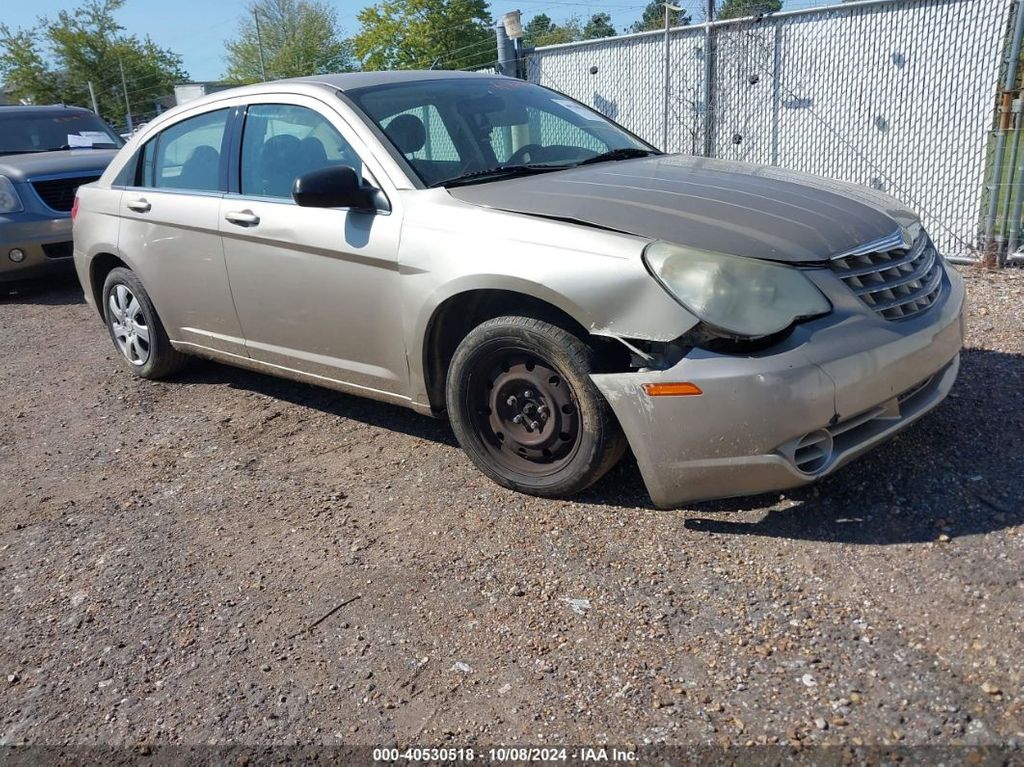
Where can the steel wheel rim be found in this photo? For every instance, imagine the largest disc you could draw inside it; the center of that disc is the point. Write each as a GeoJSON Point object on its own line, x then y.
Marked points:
{"type": "Point", "coordinates": [525, 412]}
{"type": "Point", "coordinates": [128, 325]}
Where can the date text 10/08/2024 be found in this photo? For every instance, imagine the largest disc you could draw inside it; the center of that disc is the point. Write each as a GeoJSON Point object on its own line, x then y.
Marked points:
{"type": "Point", "coordinates": [505, 754]}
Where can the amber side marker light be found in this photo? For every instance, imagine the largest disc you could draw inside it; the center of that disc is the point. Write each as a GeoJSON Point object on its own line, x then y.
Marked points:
{"type": "Point", "coordinates": [685, 389]}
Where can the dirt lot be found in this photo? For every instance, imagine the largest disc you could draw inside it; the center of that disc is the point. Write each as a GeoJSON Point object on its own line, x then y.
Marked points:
{"type": "Point", "coordinates": [165, 547]}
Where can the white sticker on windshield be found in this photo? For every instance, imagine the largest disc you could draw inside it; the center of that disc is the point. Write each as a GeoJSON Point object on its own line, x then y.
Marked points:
{"type": "Point", "coordinates": [579, 109]}
{"type": "Point", "coordinates": [88, 138]}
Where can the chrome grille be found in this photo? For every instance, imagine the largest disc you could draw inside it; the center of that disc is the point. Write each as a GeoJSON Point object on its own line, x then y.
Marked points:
{"type": "Point", "coordinates": [896, 283]}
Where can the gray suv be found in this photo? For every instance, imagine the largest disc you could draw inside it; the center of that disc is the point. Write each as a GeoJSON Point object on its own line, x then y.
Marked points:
{"type": "Point", "coordinates": [46, 153]}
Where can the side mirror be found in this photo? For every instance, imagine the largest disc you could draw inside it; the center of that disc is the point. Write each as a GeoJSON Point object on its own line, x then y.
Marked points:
{"type": "Point", "coordinates": [337, 186]}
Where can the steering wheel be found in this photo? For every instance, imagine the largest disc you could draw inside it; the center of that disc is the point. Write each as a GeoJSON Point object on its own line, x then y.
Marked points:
{"type": "Point", "coordinates": [527, 153]}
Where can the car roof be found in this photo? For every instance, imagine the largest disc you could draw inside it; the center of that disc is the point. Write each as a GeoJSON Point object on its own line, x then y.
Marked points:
{"type": "Point", "coordinates": [352, 80]}
{"type": "Point", "coordinates": [40, 109]}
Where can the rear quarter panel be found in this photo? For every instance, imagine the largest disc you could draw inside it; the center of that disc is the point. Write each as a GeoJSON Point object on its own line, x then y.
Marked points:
{"type": "Point", "coordinates": [95, 232]}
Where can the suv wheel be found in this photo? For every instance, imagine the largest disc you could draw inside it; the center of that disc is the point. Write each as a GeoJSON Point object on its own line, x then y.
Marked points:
{"type": "Point", "coordinates": [135, 327]}
{"type": "Point", "coordinates": [524, 409]}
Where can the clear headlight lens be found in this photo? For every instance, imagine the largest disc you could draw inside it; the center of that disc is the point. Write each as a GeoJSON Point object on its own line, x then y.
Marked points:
{"type": "Point", "coordinates": [9, 200]}
{"type": "Point", "coordinates": [737, 296]}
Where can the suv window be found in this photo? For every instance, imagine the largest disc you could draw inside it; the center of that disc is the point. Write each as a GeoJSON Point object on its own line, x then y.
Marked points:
{"type": "Point", "coordinates": [187, 155]}
{"type": "Point", "coordinates": [281, 142]}
{"type": "Point", "coordinates": [27, 130]}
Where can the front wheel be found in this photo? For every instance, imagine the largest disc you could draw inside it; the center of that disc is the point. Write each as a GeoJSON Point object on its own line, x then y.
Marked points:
{"type": "Point", "coordinates": [136, 329]}
{"type": "Point", "coordinates": [524, 409]}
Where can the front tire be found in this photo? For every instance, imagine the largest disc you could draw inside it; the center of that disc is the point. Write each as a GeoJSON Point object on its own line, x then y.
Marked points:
{"type": "Point", "coordinates": [524, 409]}
{"type": "Point", "coordinates": [135, 327]}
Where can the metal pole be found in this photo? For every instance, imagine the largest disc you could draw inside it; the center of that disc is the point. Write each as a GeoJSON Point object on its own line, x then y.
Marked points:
{"type": "Point", "coordinates": [92, 95]}
{"type": "Point", "coordinates": [1017, 189]}
{"type": "Point", "coordinates": [776, 93]}
{"type": "Point", "coordinates": [259, 43]}
{"type": "Point", "coordinates": [1009, 181]}
{"type": "Point", "coordinates": [668, 83]}
{"type": "Point", "coordinates": [506, 56]}
{"type": "Point", "coordinates": [1005, 114]}
{"type": "Point", "coordinates": [124, 86]}
{"type": "Point", "coordinates": [709, 71]}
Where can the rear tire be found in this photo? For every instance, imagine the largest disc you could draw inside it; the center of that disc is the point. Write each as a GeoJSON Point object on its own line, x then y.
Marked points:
{"type": "Point", "coordinates": [135, 327]}
{"type": "Point", "coordinates": [524, 409]}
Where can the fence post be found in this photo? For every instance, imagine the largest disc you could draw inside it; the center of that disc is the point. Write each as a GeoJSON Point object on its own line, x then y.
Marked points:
{"type": "Point", "coordinates": [776, 91]}
{"type": "Point", "coordinates": [709, 73]}
{"type": "Point", "coordinates": [1005, 117]}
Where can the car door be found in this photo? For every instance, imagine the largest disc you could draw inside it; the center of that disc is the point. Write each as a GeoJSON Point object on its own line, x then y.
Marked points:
{"type": "Point", "coordinates": [316, 289]}
{"type": "Point", "coordinates": [170, 230]}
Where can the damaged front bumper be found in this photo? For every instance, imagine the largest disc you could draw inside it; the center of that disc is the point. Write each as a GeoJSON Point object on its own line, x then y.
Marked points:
{"type": "Point", "coordinates": [774, 420]}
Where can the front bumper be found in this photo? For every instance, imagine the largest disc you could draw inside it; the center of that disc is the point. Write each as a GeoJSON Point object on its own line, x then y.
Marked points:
{"type": "Point", "coordinates": [46, 243]}
{"type": "Point", "coordinates": [834, 389]}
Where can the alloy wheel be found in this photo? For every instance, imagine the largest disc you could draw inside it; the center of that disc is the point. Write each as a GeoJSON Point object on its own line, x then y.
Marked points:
{"type": "Point", "coordinates": [128, 325]}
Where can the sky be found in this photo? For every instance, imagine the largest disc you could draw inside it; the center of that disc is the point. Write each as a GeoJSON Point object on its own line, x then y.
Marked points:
{"type": "Point", "coordinates": [197, 29]}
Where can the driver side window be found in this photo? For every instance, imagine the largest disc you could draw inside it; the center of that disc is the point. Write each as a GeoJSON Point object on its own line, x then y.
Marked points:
{"type": "Point", "coordinates": [281, 142]}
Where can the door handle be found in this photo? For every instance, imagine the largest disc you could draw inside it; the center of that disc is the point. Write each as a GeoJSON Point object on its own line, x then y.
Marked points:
{"type": "Point", "coordinates": [242, 218]}
{"type": "Point", "coordinates": [140, 205]}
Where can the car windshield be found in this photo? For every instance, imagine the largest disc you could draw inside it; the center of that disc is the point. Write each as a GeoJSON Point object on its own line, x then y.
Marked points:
{"type": "Point", "coordinates": [34, 131]}
{"type": "Point", "coordinates": [472, 130]}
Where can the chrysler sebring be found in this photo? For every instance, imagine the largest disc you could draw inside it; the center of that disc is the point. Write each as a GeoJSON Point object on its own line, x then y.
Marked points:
{"type": "Point", "coordinates": [486, 248]}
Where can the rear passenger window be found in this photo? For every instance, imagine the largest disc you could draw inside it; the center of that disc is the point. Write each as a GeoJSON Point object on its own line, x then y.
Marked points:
{"type": "Point", "coordinates": [281, 142]}
{"type": "Point", "coordinates": [187, 155]}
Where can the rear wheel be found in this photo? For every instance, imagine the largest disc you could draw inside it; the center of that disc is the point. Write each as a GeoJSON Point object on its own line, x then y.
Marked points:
{"type": "Point", "coordinates": [135, 328]}
{"type": "Point", "coordinates": [524, 409]}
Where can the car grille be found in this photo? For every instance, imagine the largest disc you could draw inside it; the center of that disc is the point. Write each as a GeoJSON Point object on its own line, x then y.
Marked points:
{"type": "Point", "coordinates": [59, 193]}
{"type": "Point", "coordinates": [59, 249]}
{"type": "Point", "coordinates": [897, 283]}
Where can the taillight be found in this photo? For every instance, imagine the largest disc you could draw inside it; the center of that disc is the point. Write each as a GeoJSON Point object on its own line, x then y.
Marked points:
{"type": "Point", "coordinates": [74, 209]}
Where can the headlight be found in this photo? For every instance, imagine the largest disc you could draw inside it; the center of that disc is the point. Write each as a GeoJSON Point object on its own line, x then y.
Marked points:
{"type": "Point", "coordinates": [737, 296]}
{"type": "Point", "coordinates": [9, 200]}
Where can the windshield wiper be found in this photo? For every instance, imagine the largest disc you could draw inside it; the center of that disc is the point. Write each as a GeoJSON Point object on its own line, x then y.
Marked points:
{"type": "Point", "coordinates": [102, 145]}
{"type": "Point", "coordinates": [501, 171]}
{"type": "Point", "coordinates": [626, 153]}
{"type": "Point", "coordinates": [23, 151]}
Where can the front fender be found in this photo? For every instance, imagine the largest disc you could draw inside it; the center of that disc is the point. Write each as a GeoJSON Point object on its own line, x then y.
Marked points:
{"type": "Point", "coordinates": [595, 276]}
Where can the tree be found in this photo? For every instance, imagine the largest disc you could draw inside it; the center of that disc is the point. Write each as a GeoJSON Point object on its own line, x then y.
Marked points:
{"type": "Point", "coordinates": [424, 34]}
{"type": "Point", "coordinates": [734, 9]}
{"type": "Point", "coordinates": [56, 60]}
{"type": "Point", "coordinates": [300, 38]}
{"type": "Point", "coordinates": [600, 25]}
{"type": "Point", "coordinates": [541, 31]}
{"type": "Point", "coordinates": [653, 18]}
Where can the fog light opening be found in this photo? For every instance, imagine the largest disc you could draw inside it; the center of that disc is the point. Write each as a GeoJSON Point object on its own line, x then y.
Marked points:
{"type": "Point", "coordinates": [17, 255]}
{"type": "Point", "coordinates": [813, 452]}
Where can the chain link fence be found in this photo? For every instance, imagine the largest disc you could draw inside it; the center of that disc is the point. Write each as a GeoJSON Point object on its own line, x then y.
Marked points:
{"type": "Point", "coordinates": [898, 95]}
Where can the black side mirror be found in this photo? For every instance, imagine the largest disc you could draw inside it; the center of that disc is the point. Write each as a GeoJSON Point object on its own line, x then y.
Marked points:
{"type": "Point", "coordinates": [337, 186]}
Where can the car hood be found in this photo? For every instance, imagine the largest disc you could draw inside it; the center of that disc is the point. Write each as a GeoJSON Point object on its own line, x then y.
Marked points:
{"type": "Point", "coordinates": [729, 207]}
{"type": "Point", "coordinates": [21, 167]}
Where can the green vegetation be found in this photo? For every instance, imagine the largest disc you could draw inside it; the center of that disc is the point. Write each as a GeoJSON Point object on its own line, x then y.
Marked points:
{"type": "Point", "coordinates": [420, 34]}
{"type": "Point", "coordinates": [653, 18]}
{"type": "Point", "coordinates": [300, 37]}
{"type": "Point", "coordinates": [735, 9]}
{"type": "Point", "coordinates": [55, 61]}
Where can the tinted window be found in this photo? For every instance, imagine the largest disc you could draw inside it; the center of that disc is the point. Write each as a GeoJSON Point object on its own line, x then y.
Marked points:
{"type": "Point", "coordinates": [34, 131]}
{"type": "Point", "coordinates": [281, 142]}
{"type": "Point", "coordinates": [448, 127]}
{"type": "Point", "coordinates": [187, 155]}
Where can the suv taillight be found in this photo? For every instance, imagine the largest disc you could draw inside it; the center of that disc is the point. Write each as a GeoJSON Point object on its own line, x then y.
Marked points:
{"type": "Point", "coordinates": [74, 208]}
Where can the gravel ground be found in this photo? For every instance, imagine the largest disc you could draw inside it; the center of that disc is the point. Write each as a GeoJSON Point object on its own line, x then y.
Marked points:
{"type": "Point", "coordinates": [170, 550]}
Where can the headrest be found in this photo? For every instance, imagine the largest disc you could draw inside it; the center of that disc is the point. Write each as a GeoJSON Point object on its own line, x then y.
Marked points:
{"type": "Point", "coordinates": [407, 132]}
